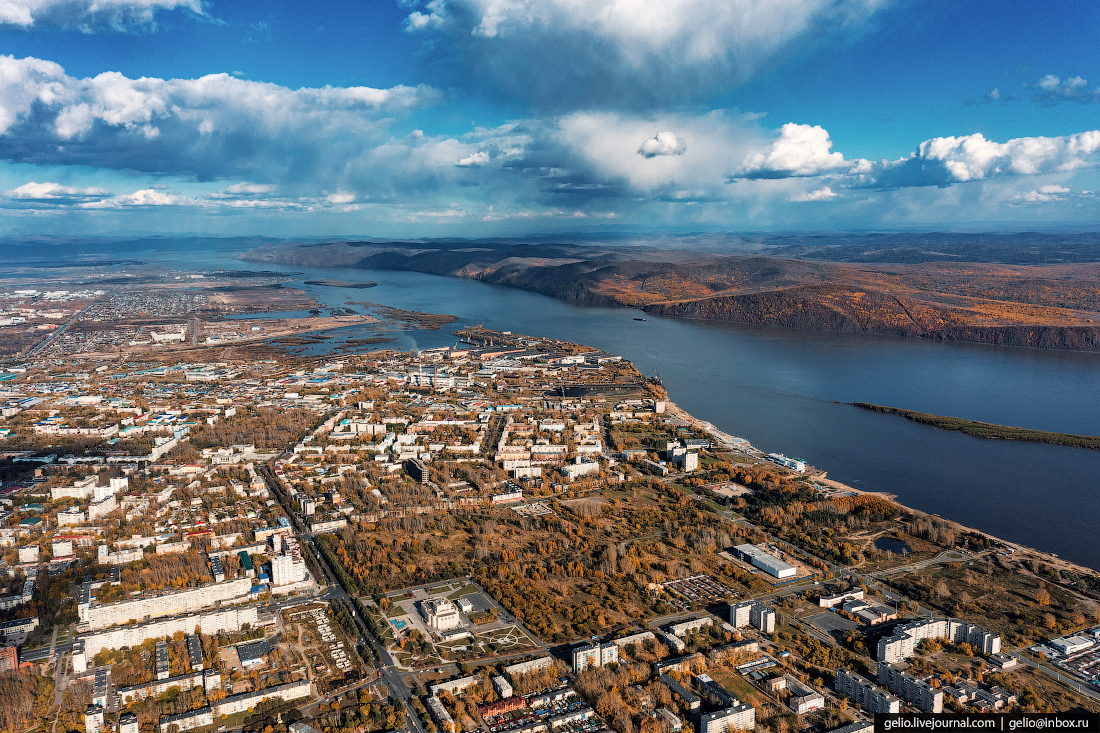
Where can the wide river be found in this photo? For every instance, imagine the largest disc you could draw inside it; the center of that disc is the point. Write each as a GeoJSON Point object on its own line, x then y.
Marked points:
{"type": "Point", "coordinates": [783, 390]}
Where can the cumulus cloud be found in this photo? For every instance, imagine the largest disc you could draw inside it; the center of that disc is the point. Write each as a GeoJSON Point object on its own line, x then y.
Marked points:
{"type": "Point", "coordinates": [1045, 194]}
{"type": "Point", "coordinates": [806, 151]}
{"type": "Point", "coordinates": [211, 127]}
{"type": "Point", "coordinates": [90, 16]}
{"type": "Point", "coordinates": [822, 194]}
{"type": "Point", "coordinates": [481, 157]}
{"type": "Point", "coordinates": [49, 195]}
{"type": "Point", "coordinates": [568, 54]}
{"type": "Point", "coordinates": [47, 191]}
{"type": "Point", "coordinates": [244, 188]}
{"type": "Point", "coordinates": [1053, 90]}
{"type": "Point", "coordinates": [943, 161]}
{"type": "Point", "coordinates": [799, 150]}
{"type": "Point", "coordinates": [663, 143]}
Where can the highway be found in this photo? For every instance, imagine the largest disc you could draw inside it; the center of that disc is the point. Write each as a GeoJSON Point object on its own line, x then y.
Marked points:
{"type": "Point", "coordinates": [389, 675]}
{"type": "Point", "coordinates": [58, 331]}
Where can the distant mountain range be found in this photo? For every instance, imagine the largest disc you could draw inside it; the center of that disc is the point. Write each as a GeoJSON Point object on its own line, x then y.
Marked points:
{"type": "Point", "coordinates": [1032, 290]}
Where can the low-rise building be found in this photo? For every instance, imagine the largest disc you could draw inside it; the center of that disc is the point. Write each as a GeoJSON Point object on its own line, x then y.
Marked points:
{"type": "Point", "coordinates": [767, 562]}
{"type": "Point", "coordinates": [737, 717]}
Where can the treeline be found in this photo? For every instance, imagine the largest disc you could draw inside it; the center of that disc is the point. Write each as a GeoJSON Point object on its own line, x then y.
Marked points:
{"type": "Point", "coordinates": [266, 428]}
{"type": "Point", "coordinates": [23, 698]}
{"type": "Point", "coordinates": [986, 430]}
{"type": "Point", "coordinates": [799, 515]}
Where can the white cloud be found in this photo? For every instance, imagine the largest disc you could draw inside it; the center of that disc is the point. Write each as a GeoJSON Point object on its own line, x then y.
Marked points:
{"type": "Point", "coordinates": [244, 188]}
{"type": "Point", "coordinates": [946, 160]}
{"type": "Point", "coordinates": [663, 143]}
{"type": "Point", "coordinates": [800, 150]}
{"type": "Point", "coordinates": [481, 157]}
{"type": "Point", "coordinates": [806, 151]}
{"type": "Point", "coordinates": [822, 194]}
{"type": "Point", "coordinates": [565, 54]}
{"type": "Point", "coordinates": [1073, 89]}
{"type": "Point", "coordinates": [91, 16]}
{"type": "Point", "coordinates": [210, 127]}
{"type": "Point", "coordinates": [48, 191]}
{"type": "Point", "coordinates": [1045, 194]}
{"type": "Point", "coordinates": [144, 197]}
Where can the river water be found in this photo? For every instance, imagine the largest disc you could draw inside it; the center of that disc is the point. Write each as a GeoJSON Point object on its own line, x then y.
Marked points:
{"type": "Point", "coordinates": [783, 390]}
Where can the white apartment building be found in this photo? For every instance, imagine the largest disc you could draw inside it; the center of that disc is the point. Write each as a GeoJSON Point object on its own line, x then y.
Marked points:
{"type": "Point", "coordinates": [753, 613]}
{"type": "Point", "coordinates": [901, 645]}
{"type": "Point", "coordinates": [286, 570]}
{"type": "Point", "coordinates": [229, 619]}
{"type": "Point", "coordinates": [164, 604]}
{"type": "Point", "coordinates": [737, 717]}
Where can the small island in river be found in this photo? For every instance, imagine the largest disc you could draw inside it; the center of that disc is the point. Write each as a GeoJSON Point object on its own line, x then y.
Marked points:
{"type": "Point", "coordinates": [987, 430]}
{"type": "Point", "coordinates": [330, 283]}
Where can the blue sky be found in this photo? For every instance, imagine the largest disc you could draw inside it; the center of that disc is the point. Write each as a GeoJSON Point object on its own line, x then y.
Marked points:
{"type": "Point", "coordinates": [510, 117]}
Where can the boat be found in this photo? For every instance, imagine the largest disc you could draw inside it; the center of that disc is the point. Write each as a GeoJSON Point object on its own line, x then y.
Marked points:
{"type": "Point", "coordinates": [639, 319]}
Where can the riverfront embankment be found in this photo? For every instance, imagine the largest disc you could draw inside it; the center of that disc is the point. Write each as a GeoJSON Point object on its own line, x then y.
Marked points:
{"type": "Point", "coordinates": [739, 444]}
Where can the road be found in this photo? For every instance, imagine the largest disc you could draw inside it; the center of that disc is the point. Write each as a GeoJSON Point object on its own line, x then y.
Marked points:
{"type": "Point", "coordinates": [58, 331]}
{"type": "Point", "coordinates": [389, 675]}
{"type": "Point", "coordinates": [1062, 677]}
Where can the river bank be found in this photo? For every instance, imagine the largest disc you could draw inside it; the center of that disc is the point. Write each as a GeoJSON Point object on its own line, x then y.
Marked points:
{"type": "Point", "coordinates": [735, 443]}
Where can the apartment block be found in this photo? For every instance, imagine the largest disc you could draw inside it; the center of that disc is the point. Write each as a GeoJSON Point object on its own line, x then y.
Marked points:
{"type": "Point", "coordinates": [164, 604]}
{"type": "Point", "coordinates": [901, 645]}
{"type": "Point", "coordinates": [914, 691]}
{"type": "Point", "coordinates": [865, 693]}
{"type": "Point", "coordinates": [754, 614]}
{"type": "Point", "coordinates": [737, 717]}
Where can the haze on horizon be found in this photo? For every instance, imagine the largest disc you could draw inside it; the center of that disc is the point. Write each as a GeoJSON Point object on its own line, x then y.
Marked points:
{"type": "Point", "coordinates": [410, 118]}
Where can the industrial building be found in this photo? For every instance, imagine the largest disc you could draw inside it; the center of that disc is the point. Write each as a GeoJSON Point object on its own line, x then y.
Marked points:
{"type": "Point", "coordinates": [767, 562]}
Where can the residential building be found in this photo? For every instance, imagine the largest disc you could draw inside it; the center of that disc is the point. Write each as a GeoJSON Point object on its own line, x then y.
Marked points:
{"type": "Point", "coordinates": [9, 659]}
{"type": "Point", "coordinates": [588, 656]}
{"type": "Point", "coordinates": [914, 691]}
{"type": "Point", "coordinates": [754, 614]}
{"type": "Point", "coordinates": [249, 700]}
{"type": "Point", "coordinates": [163, 604]}
{"type": "Point", "coordinates": [737, 717]}
{"type": "Point", "coordinates": [127, 723]}
{"type": "Point", "coordinates": [901, 645]}
{"type": "Point", "coordinates": [865, 693]}
{"type": "Point", "coordinates": [286, 570]}
{"type": "Point", "coordinates": [189, 720]}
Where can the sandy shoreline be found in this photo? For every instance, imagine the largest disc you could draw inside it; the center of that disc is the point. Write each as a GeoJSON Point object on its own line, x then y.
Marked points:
{"type": "Point", "coordinates": [739, 444]}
